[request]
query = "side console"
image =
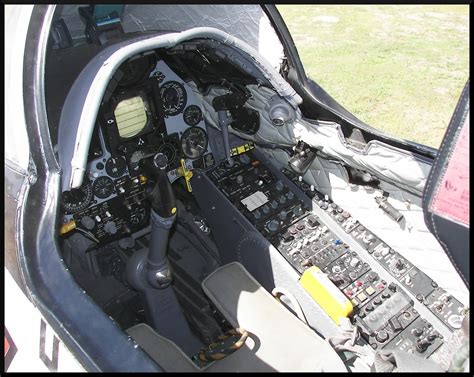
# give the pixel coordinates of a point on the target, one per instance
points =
(280, 209)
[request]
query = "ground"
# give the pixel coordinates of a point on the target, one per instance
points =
(399, 68)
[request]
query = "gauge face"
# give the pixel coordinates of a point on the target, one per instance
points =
(115, 166)
(135, 159)
(77, 200)
(103, 187)
(194, 142)
(173, 97)
(170, 150)
(192, 115)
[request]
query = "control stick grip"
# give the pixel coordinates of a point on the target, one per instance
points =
(161, 195)
(389, 209)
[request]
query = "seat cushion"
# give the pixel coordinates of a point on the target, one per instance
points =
(162, 350)
(279, 341)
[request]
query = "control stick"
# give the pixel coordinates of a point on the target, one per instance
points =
(163, 215)
(148, 271)
(222, 104)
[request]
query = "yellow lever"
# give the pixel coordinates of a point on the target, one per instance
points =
(66, 228)
(187, 174)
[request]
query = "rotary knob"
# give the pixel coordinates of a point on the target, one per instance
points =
(282, 215)
(239, 179)
(282, 199)
(287, 239)
(265, 209)
(290, 195)
(298, 211)
(417, 331)
(279, 185)
(273, 225)
(88, 222)
(257, 214)
(274, 204)
(422, 345)
(312, 221)
(382, 336)
(110, 227)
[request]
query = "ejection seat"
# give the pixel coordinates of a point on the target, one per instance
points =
(278, 341)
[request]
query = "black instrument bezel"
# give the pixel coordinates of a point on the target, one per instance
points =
(150, 94)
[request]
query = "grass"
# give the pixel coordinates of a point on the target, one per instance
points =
(399, 68)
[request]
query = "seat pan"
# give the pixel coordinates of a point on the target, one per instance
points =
(279, 340)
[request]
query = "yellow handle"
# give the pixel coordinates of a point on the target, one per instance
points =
(66, 228)
(187, 174)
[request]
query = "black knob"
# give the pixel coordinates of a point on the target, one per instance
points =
(288, 238)
(385, 295)
(273, 225)
(377, 301)
(369, 308)
(399, 264)
(392, 287)
(417, 331)
(312, 221)
(422, 345)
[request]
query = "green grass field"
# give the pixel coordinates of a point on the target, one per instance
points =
(399, 68)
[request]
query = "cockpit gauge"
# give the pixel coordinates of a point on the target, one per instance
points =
(194, 142)
(170, 150)
(78, 199)
(135, 159)
(115, 167)
(103, 187)
(192, 115)
(173, 97)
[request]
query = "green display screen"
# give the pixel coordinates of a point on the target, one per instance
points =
(130, 115)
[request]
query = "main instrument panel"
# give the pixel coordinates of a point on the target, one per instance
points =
(139, 117)
(383, 304)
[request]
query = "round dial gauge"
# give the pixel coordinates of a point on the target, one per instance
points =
(170, 150)
(77, 200)
(135, 159)
(194, 142)
(192, 115)
(115, 166)
(173, 97)
(103, 187)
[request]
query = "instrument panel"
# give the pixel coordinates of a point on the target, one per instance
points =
(139, 118)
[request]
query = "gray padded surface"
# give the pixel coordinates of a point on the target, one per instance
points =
(162, 350)
(280, 341)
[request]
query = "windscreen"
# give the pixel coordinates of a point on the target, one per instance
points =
(247, 22)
